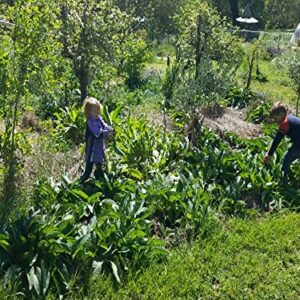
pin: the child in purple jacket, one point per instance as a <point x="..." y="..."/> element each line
<point x="96" y="132"/>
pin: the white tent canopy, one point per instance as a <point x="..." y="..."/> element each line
<point x="247" y="20"/>
<point x="296" y="36"/>
<point x="247" y="16"/>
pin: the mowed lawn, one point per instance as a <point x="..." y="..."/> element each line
<point x="247" y="259"/>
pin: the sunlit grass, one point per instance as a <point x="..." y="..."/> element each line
<point x="277" y="87"/>
<point x="254" y="259"/>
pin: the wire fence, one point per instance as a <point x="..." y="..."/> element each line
<point x="278" y="39"/>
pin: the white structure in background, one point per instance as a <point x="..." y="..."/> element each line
<point x="296" y="36"/>
<point x="247" y="20"/>
<point x="247" y="16"/>
<point x="6" y="23"/>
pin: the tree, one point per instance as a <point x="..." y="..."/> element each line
<point x="281" y="14"/>
<point x="29" y="50"/>
<point x="208" y="54"/>
<point x="93" y="34"/>
<point x="234" y="7"/>
<point x="252" y="54"/>
<point x="203" y="34"/>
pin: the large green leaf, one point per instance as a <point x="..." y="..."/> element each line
<point x="33" y="280"/>
<point x="46" y="276"/>
<point x="115" y="113"/>
<point x="79" y="244"/>
<point x="79" y="194"/>
<point x="97" y="266"/>
<point x="115" y="271"/>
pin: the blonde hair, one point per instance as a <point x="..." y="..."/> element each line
<point x="90" y="102"/>
<point x="278" y="109"/>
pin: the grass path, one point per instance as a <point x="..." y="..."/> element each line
<point x="254" y="259"/>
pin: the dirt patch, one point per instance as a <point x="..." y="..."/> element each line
<point x="232" y="120"/>
<point x="30" y="121"/>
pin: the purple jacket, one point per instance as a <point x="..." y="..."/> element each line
<point x="96" y="131"/>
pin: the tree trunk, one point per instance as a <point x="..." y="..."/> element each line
<point x="198" y="47"/>
<point x="251" y="65"/>
<point x="83" y="79"/>
<point x="297" y="107"/>
<point x="234" y="8"/>
<point x="83" y="75"/>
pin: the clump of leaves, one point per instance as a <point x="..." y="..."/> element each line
<point x="69" y="126"/>
<point x="259" y="112"/>
<point x="239" y="97"/>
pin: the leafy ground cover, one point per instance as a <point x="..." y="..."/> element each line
<point x="160" y="191"/>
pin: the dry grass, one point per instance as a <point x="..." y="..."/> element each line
<point x="232" y="120"/>
<point x="217" y="118"/>
<point x="46" y="163"/>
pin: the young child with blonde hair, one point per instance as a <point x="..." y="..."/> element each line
<point x="97" y="131"/>
<point x="289" y="126"/>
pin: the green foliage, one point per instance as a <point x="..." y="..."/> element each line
<point x="203" y="33"/>
<point x="207" y="89"/>
<point x="259" y="112"/>
<point x="281" y="14"/>
<point x="208" y="52"/>
<point x="272" y="14"/>
<point x="99" y="39"/>
<point x="34" y="253"/>
<point x="69" y="126"/>
<point x="154" y="15"/>
<point x="158" y="186"/>
<point x="133" y="59"/>
<point x="29" y="51"/>
<point x="239" y="97"/>
<point x="170" y="81"/>
<point x="72" y="232"/>
<point x="254" y="51"/>
<point x="161" y="187"/>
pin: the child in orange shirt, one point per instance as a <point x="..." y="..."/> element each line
<point x="289" y="126"/>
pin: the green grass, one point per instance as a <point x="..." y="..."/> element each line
<point x="278" y="87"/>
<point x="159" y="53"/>
<point x="254" y="259"/>
<point x="164" y="48"/>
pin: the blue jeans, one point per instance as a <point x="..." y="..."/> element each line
<point x="292" y="154"/>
